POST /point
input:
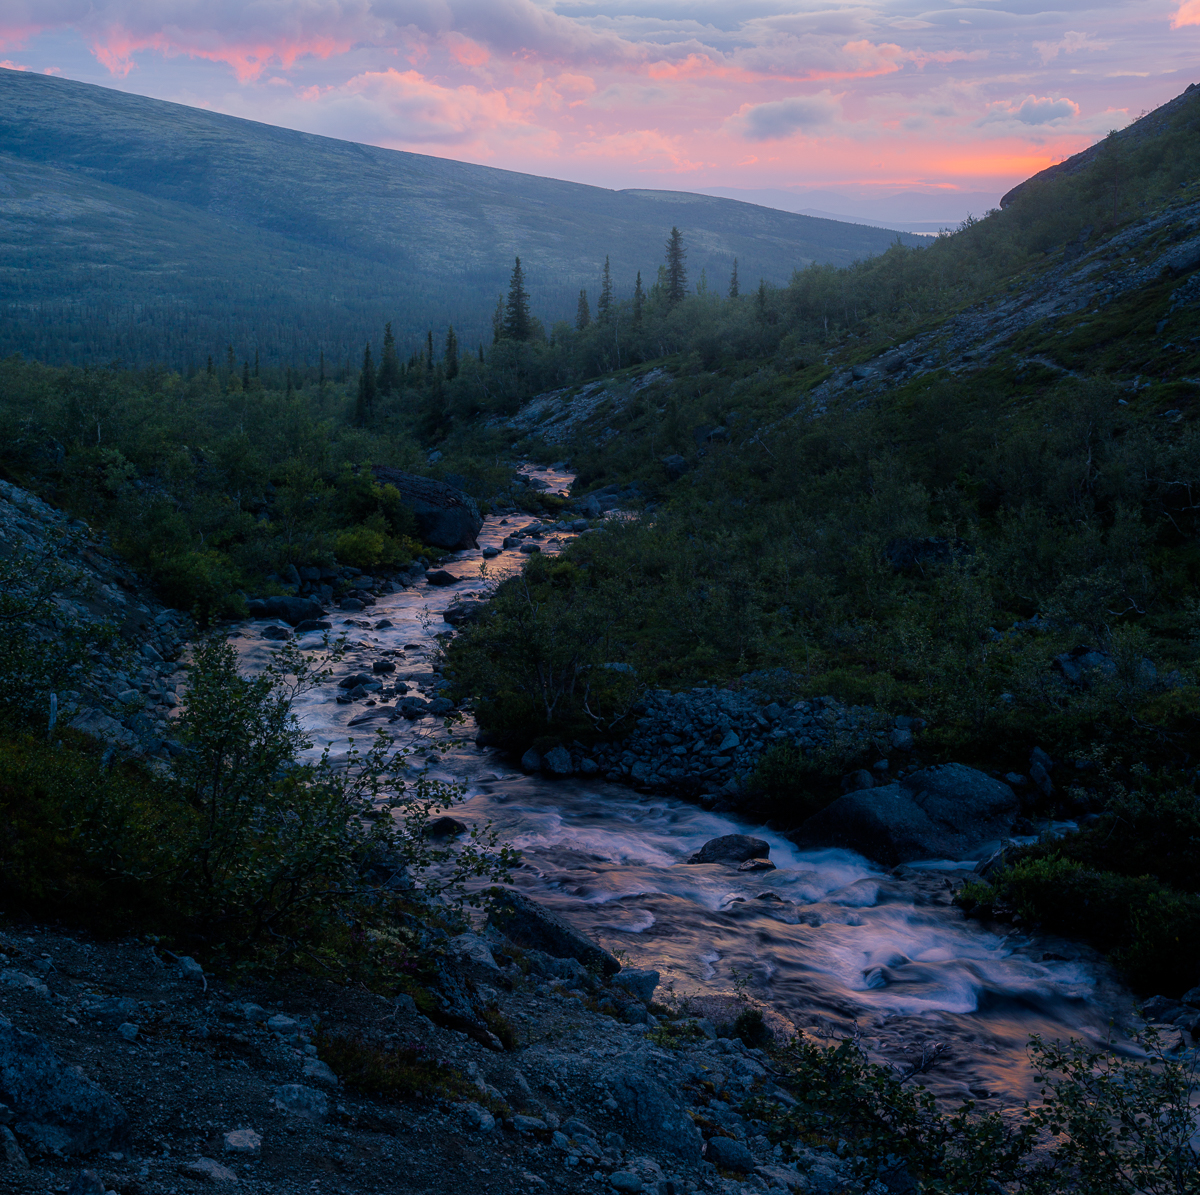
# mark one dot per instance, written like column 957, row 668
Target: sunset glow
column 862, row 99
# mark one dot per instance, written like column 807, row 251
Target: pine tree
column 451, row 353
column 760, row 299
column 429, row 351
column 518, row 323
column 583, row 314
column 289, row 381
column 604, row 305
column 389, row 364
column 245, row 375
column 256, row 363
column 481, row 352
column 366, row 390
column 676, row 268
column 733, row 282
column 230, row 365
column 498, row 320
column 322, row 370
column 639, row 299
column 210, row 370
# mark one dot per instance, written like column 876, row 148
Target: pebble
column 243, row 1141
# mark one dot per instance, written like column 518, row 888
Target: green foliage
column 395, row 1074
column 787, row 786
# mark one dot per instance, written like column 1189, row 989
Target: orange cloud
column 1188, row 14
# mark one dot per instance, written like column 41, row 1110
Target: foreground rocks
column 446, row 517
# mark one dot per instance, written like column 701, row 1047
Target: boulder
column 205, row 1170
column 531, row 925
column 445, row 827
column 557, row 762
column 938, row 812
column 446, row 517
column 639, row 984
column 55, row 1109
column 729, row 1155
column 313, row 624
column 732, row 849
column 440, row 577
column 653, row 1111
column 299, row 1100
column 292, row 610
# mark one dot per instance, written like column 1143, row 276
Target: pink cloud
column 1188, row 14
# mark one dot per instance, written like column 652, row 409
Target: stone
column 938, row 812
column 440, row 577
column 312, row 624
column 731, row 740
column 480, row 1119
column 531, row 925
column 625, row 1180
column 298, row 1100
column 638, row 983
column 86, row 1182
column 1191, row 998
column 756, row 865
column 489, row 553
column 446, row 517
column 243, row 1141
column 902, row 738
column 653, row 1111
column 445, row 827
column 732, row 849
column 557, row 762
column 18, row 979
column 292, row 610
column 205, row 1170
column 283, row 1024
column 858, row 780
column 1041, row 779
column 255, row 1013
column 55, row 1109
column 676, row 467
column 529, row 1124
column 351, row 605
column 128, row 1031
column 781, row 1176
column 190, row 969
column 472, row 948
column 12, row 1156
column 531, row 761
column 439, row 707
column 382, row 667
column 320, row 1073
column 728, row 1154
column 276, row 633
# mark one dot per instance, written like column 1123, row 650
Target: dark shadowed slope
column 146, row 229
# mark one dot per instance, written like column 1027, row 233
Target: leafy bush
column 393, row 1073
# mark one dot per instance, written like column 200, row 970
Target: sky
column 857, row 100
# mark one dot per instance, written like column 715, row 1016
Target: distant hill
column 146, row 230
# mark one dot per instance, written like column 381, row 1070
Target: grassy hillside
column 150, row 231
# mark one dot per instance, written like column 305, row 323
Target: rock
column 283, row 1025
column 276, row 633
column 1084, row 665
column 190, row 969
column 383, row 667
column 12, row 1156
column 243, row 1141
column 439, row 707
column 638, row 983
column 86, row 1182
column 529, row 1124
column 557, row 762
column 781, row 1176
column 56, row 1109
column 320, row 1073
column 312, row 624
column 351, row 605
column 480, row 1119
column 728, row 743
column 298, row 1100
column 1161, row 1009
column 465, row 613
column 902, row 738
column 472, row 948
column 489, row 553
column 531, row 925
column 756, row 865
column 445, row 827
column 292, row 610
column 1191, row 998
column 939, row 812
column 731, row 848
column 531, row 761
column 729, row 1155
column 653, row 1111
column 676, row 467
column 570, row 969
column 205, row 1170
column 18, row 979
column 856, row 781
column 440, row 577
column 624, row 1180
column 128, row 1031
column 1041, row 779
column 446, row 517
column 255, row 1013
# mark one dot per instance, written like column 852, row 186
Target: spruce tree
column 498, row 320
column 481, row 352
column 366, row 389
column 451, row 353
column 583, row 314
column 676, row 268
column 639, row 299
column 256, row 363
column 429, row 351
column 518, row 323
column 604, row 305
column 733, row 282
column 322, row 370
column 210, row 370
column 246, row 375
column 389, row 364
column 230, row 365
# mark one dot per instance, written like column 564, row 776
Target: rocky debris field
column 126, row 1069
column 706, row 741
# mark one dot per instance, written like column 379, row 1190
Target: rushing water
column 828, row 939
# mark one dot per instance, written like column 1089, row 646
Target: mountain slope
column 111, row 203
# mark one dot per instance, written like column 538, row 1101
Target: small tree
column 365, row 405
column 639, row 300
column 676, row 268
column 583, row 315
column 605, row 302
column 389, row 364
column 733, row 281
column 518, row 323
column 451, row 353
column 498, row 321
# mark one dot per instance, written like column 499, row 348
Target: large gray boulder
column 292, row 610
column 55, row 1109
column 446, row 517
column 535, row 927
column 731, row 848
column 653, row 1111
column 939, row 812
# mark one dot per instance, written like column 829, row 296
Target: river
column 834, row 943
